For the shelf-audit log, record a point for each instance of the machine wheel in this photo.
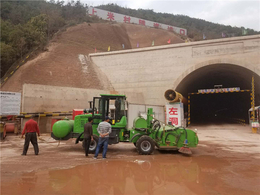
(145, 145)
(93, 144)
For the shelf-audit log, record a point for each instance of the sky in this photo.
(237, 13)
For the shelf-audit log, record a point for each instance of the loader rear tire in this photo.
(93, 144)
(145, 145)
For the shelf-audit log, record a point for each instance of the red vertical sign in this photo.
(173, 115)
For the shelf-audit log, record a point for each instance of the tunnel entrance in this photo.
(219, 108)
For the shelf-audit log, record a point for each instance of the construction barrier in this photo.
(239, 121)
(35, 115)
(45, 112)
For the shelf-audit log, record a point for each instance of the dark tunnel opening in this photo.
(219, 108)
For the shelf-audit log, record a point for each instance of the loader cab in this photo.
(109, 105)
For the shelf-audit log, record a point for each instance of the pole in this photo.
(39, 120)
(188, 110)
(254, 129)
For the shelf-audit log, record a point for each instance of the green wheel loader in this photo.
(145, 134)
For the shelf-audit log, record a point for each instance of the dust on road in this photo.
(212, 169)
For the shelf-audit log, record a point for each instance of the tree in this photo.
(36, 31)
(26, 25)
(17, 40)
(7, 57)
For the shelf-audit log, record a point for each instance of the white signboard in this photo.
(174, 114)
(10, 103)
(135, 110)
(112, 16)
(233, 89)
(255, 124)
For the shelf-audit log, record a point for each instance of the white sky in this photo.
(238, 13)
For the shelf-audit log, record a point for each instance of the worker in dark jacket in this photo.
(30, 129)
(88, 134)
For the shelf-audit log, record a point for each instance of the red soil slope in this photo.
(60, 65)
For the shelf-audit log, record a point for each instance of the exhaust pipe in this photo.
(173, 96)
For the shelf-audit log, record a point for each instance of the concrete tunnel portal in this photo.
(219, 108)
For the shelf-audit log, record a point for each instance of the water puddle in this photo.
(160, 174)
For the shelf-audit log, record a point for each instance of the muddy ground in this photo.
(226, 161)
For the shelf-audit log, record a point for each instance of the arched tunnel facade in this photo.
(219, 108)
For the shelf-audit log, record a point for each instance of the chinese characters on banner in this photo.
(93, 12)
(112, 16)
(170, 28)
(142, 22)
(233, 89)
(156, 25)
(174, 114)
(127, 19)
(182, 32)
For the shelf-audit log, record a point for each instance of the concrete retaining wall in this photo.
(44, 98)
(153, 70)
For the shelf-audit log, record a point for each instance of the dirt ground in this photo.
(226, 161)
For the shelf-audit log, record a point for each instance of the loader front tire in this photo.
(145, 145)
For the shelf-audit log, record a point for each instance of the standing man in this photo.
(88, 134)
(30, 129)
(104, 129)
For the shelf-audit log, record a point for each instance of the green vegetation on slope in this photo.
(26, 25)
(196, 27)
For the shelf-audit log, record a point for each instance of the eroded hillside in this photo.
(66, 63)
